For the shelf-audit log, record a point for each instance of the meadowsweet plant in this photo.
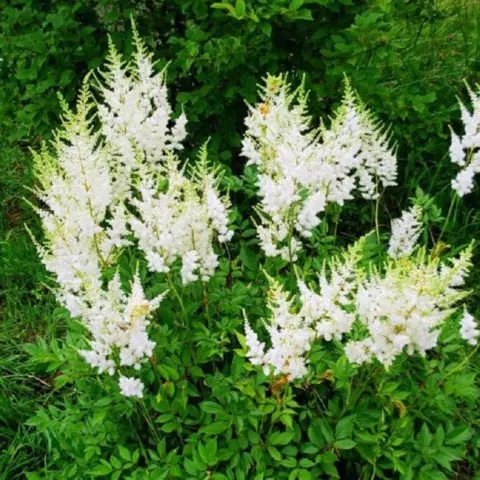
(111, 180)
(303, 169)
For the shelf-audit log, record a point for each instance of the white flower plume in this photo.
(380, 313)
(465, 149)
(405, 233)
(302, 170)
(469, 328)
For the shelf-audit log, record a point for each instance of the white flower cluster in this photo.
(399, 307)
(322, 315)
(118, 325)
(328, 310)
(290, 337)
(405, 233)
(302, 170)
(469, 328)
(404, 307)
(135, 112)
(465, 150)
(131, 387)
(102, 182)
(83, 235)
(182, 221)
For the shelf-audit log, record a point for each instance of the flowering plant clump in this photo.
(400, 303)
(118, 184)
(100, 189)
(303, 170)
(263, 360)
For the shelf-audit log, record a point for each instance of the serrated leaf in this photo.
(458, 435)
(101, 470)
(212, 407)
(124, 453)
(344, 427)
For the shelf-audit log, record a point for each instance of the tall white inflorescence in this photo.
(102, 181)
(469, 328)
(465, 149)
(290, 337)
(301, 170)
(324, 315)
(404, 307)
(182, 221)
(405, 233)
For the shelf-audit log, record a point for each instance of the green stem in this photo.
(290, 236)
(377, 227)
(447, 219)
(157, 375)
(462, 364)
(206, 302)
(172, 287)
(149, 420)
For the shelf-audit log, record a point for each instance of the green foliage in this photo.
(210, 415)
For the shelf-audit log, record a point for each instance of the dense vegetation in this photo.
(209, 413)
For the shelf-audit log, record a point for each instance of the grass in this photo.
(26, 308)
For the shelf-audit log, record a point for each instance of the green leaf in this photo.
(304, 475)
(344, 427)
(274, 453)
(224, 6)
(216, 427)
(124, 453)
(303, 14)
(280, 438)
(458, 435)
(169, 427)
(240, 9)
(101, 470)
(424, 438)
(315, 434)
(345, 444)
(296, 4)
(212, 407)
